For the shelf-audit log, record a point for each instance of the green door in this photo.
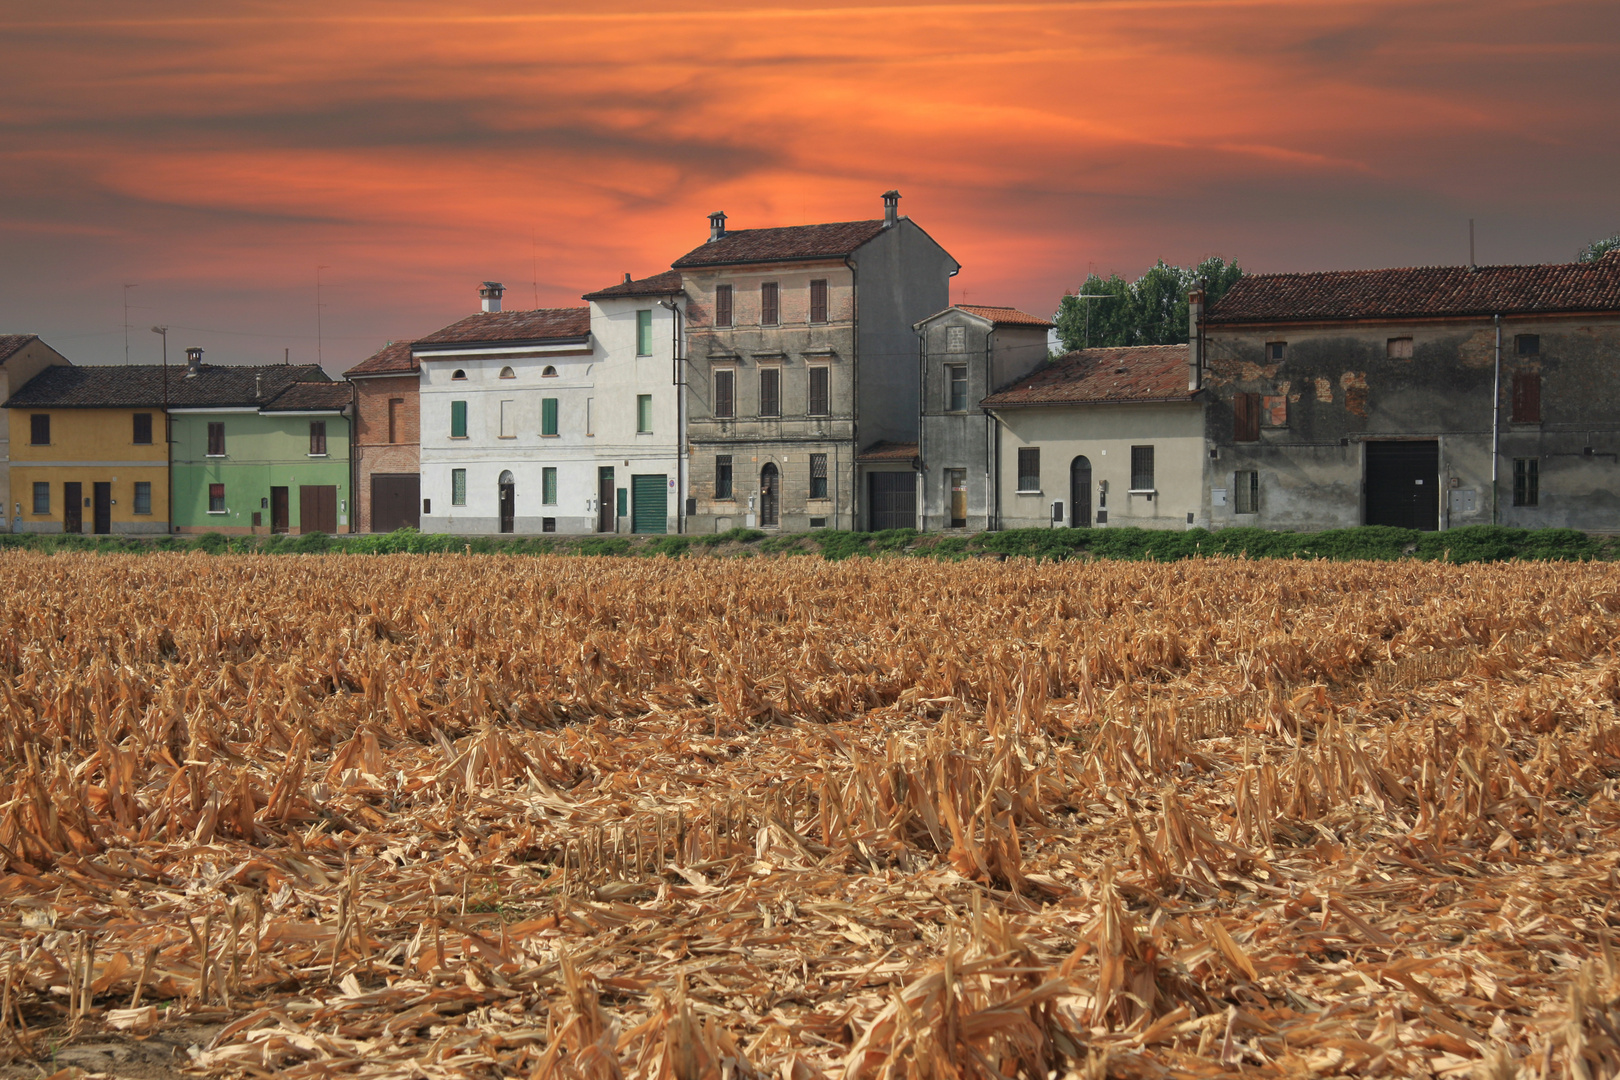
(649, 505)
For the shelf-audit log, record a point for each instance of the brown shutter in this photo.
(1527, 397)
(1246, 417)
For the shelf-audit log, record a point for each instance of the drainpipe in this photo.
(922, 430)
(354, 459)
(678, 371)
(1496, 418)
(854, 389)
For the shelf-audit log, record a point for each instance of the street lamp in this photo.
(164, 332)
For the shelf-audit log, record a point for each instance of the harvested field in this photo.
(463, 816)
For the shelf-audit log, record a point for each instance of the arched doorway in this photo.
(770, 500)
(508, 502)
(1080, 493)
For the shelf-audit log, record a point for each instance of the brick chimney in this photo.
(717, 225)
(490, 292)
(891, 208)
(1195, 341)
(193, 362)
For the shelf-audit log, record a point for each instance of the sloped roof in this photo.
(12, 344)
(665, 284)
(306, 396)
(392, 359)
(788, 242)
(1096, 376)
(1005, 316)
(126, 386)
(540, 326)
(889, 451)
(1421, 291)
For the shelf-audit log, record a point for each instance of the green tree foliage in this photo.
(1598, 248)
(1152, 310)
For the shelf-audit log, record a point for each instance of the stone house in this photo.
(800, 354)
(1426, 398)
(387, 429)
(22, 356)
(967, 352)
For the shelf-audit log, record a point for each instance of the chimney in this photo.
(1195, 339)
(717, 225)
(891, 208)
(491, 292)
(193, 362)
(627, 277)
(258, 385)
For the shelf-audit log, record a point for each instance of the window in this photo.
(1141, 468)
(1527, 345)
(1527, 481)
(1276, 350)
(1527, 397)
(770, 391)
(458, 487)
(770, 303)
(725, 392)
(458, 375)
(818, 301)
(216, 498)
(508, 373)
(1029, 468)
(1398, 348)
(820, 405)
(39, 429)
(643, 414)
(722, 476)
(394, 406)
(42, 497)
(956, 387)
(1245, 418)
(458, 419)
(508, 419)
(956, 339)
(216, 438)
(818, 476)
(548, 485)
(644, 333)
(549, 372)
(722, 305)
(548, 416)
(548, 524)
(143, 429)
(143, 496)
(1245, 493)
(317, 438)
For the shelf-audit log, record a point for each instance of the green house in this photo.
(260, 449)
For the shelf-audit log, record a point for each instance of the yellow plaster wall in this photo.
(90, 446)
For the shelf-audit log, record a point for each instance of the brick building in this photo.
(387, 434)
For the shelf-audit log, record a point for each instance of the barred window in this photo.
(143, 496)
(1141, 468)
(1029, 468)
(458, 487)
(1527, 481)
(722, 476)
(548, 485)
(818, 476)
(1246, 493)
(42, 497)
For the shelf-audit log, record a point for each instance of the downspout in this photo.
(677, 373)
(989, 388)
(854, 390)
(1496, 418)
(354, 458)
(922, 430)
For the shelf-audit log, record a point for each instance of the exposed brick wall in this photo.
(374, 451)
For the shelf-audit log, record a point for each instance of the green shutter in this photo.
(458, 419)
(548, 416)
(651, 504)
(624, 501)
(644, 333)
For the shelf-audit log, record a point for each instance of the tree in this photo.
(1152, 310)
(1598, 248)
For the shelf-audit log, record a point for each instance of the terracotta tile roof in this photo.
(889, 451)
(305, 396)
(1005, 316)
(12, 344)
(541, 326)
(392, 359)
(666, 284)
(1097, 376)
(740, 246)
(1422, 291)
(126, 386)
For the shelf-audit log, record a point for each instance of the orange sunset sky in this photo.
(217, 153)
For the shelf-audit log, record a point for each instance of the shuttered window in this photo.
(458, 487)
(1527, 397)
(317, 438)
(216, 498)
(216, 439)
(458, 419)
(1245, 418)
(725, 393)
(39, 429)
(818, 476)
(770, 391)
(770, 304)
(819, 403)
(1029, 468)
(548, 416)
(143, 496)
(722, 305)
(1141, 468)
(644, 333)
(142, 435)
(818, 301)
(548, 485)
(1526, 482)
(722, 476)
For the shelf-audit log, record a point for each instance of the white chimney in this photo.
(891, 208)
(491, 292)
(1195, 340)
(193, 361)
(717, 225)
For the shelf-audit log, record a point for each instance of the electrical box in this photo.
(1057, 511)
(1464, 500)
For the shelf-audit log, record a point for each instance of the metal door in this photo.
(508, 502)
(956, 484)
(102, 522)
(278, 510)
(649, 504)
(1403, 484)
(73, 507)
(605, 499)
(770, 497)
(891, 501)
(396, 501)
(1080, 493)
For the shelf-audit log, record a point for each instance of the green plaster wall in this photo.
(261, 451)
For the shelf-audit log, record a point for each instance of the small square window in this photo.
(1398, 348)
(1528, 344)
(548, 524)
(1276, 350)
(818, 523)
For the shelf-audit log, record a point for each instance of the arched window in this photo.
(458, 374)
(508, 373)
(549, 373)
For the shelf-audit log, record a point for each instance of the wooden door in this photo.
(1080, 493)
(508, 506)
(605, 498)
(278, 510)
(1403, 484)
(956, 481)
(102, 508)
(396, 501)
(72, 507)
(317, 508)
(770, 497)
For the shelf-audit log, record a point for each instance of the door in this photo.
(317, 508)
(278, 510)
(1080, 493)
(73, 507)
(649, 504)
(102, 503)
(605, 499)
(770, 497)
(396, 501)
(1403, 484)
(956, 489)
(891, 501)
(508, 502)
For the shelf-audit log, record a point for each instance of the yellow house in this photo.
(89, 451)
(22, 356)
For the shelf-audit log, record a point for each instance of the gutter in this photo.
(1496, 421)
(855, 389)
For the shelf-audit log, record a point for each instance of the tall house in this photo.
(22, 356)
(801, 355)
(259, 450)
(967, 352)
(387, 426)
(90, 456)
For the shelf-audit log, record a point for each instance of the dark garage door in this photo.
(891, 500)
(396, 501)
(1403, 484)
(317, 508)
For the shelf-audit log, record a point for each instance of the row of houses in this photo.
(818, 376)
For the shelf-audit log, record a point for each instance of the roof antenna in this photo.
(1471, 264)
(286, 356)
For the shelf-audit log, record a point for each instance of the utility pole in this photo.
(1091, 296)
(319, 355)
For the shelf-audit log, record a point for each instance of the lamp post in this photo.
(168, 441)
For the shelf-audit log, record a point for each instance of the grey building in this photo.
(801, 354)
(967, 352)
(1426, 398)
